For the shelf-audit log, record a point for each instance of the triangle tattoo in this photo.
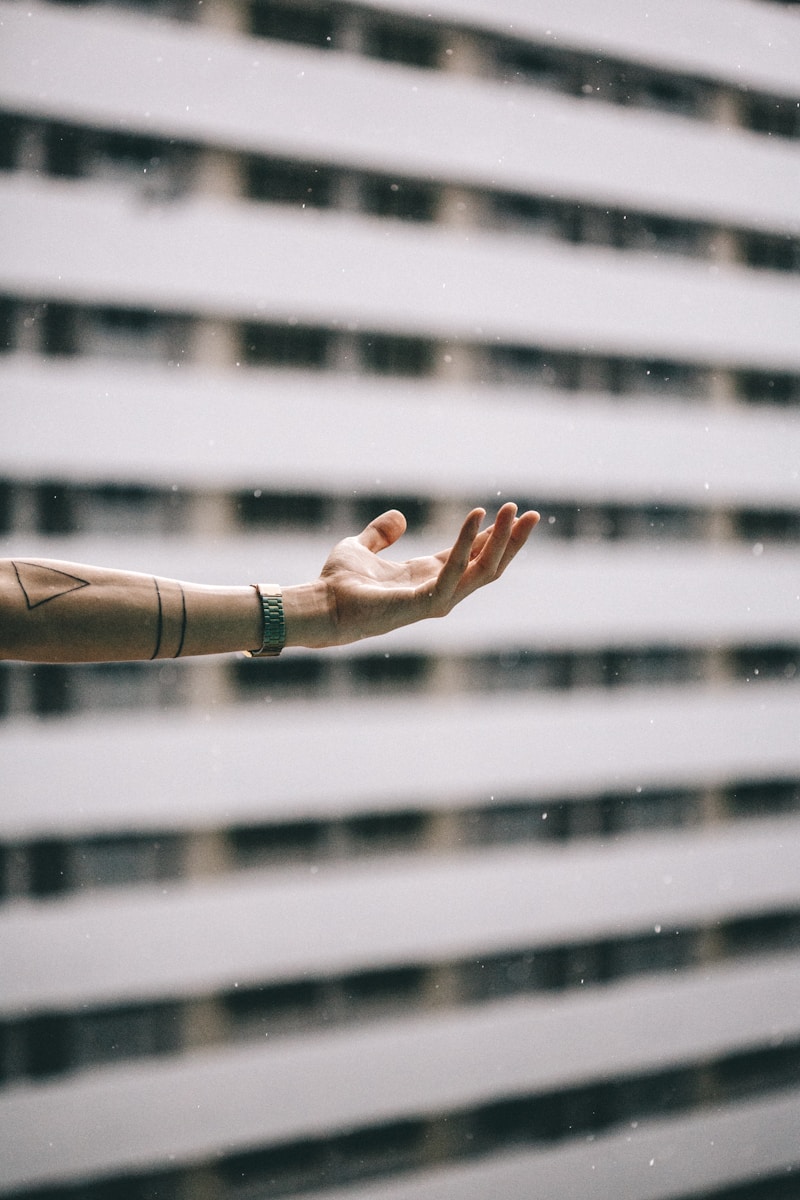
(41, 584)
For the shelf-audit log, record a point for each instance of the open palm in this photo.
(369, 595)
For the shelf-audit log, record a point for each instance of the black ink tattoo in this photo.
(183, 623)
(42, 584)
(160, 623)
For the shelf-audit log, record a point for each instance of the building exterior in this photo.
(502, 906)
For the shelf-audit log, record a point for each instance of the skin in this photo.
(105, 615)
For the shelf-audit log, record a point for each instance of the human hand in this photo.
(360, 594)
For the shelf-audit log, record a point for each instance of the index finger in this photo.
(458, 558)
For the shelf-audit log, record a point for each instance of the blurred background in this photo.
(505, 906)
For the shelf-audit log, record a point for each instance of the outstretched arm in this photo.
(52, 611)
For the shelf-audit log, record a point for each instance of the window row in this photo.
(53, 1044)
(57, 329)
(58, 508)
(56, 690)
(515, 1123)
(162, 170)
(396, 38)
(51, 866)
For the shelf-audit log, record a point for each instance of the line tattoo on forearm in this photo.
(159, 622)
(183, 622)
(171, 619)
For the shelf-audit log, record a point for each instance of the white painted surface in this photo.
(179, 939)
(288, 760)
(268, 98)
(90, 421)
(735, 40)
(252, 263)
(657, 1160)
(221, 1100)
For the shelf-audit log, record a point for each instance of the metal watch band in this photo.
(274, 636)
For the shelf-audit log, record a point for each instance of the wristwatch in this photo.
(274, 635)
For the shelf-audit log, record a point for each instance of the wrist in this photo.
(309, 615)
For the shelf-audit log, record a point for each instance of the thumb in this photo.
(383, 531)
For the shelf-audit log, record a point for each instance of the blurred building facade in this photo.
(506, 905)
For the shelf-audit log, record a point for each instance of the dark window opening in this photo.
(766, 662)
(258, 844)
(386, 831)
(129, 150)
(757, 387)
(395, 43)
(771, 253)
(7, 498)
(763, 798)
(385, 354)
(773, 115)
(50, 685)
(293, 23)
(532, 365)
(403, 199)
(8, 325)
(281, 1171)
(775, 933)
(64, 147)
(48, 1048)
(59, 329)
(281, 508)
(290, 183)
(390, 671)
(11, 129)
(636, 231)
(752, 1073)
(255, 1011)
(756, 526)
(125, 1033)
(136, 321)
(391, 987)
(149, 1187)
(251, 676)
(653, 665)
(670, 95)
(539, 66)
(116, 861)
(337, 1160)
(49, 868)
(648, 809)
(531, 212)
(59, 1043)
(285, 346)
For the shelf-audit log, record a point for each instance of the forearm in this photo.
(53, 611)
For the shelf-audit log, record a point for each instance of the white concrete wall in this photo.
(214, 427)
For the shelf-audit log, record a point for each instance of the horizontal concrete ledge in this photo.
(259, 927)
(156, 1113)
(88, 421)
(656, 1160)
(279, 761)
(729, 40)
(252, 263)
(256, 95)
